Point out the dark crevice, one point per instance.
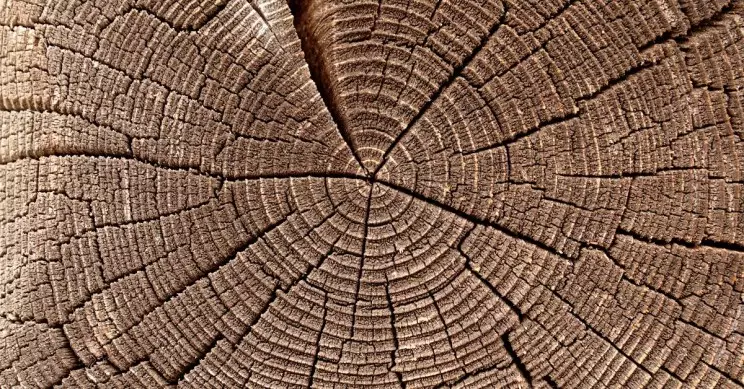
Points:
(396, 342)
(194, 363)
(442, 87)
(444, 324)
(229, 258)
(589, 97)
(271, 300)
(188, 169)
(78, 364)
(475, 219)
(361, 265)
(730, 246)
(321, 76)
(640, 284)
(711, 21)
(320, 70)
(704, 243)
(311, 267)
(570, 116)
(298, 175)
(736, 380)
(621, 79)
(464, 377)
(316, 357)
(260, 12)
(469, 266)
(701, 328)
(220, 5)
(377, 17)
(495, 291)
(655, 241)
(621, 175)
(517, 137)
(517, 361)
(671, 373)
(275, 295)
(602, 336)
(627, 277)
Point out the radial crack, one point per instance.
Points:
(396, 342)
(517, 361)
(193, 364)
(442, 87)
(320, 70)
(473, 219)
(316, 357)
(361, 266)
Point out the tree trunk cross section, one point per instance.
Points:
(371, 193)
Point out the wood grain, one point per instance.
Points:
(371, 193)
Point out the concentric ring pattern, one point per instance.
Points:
(371, 193)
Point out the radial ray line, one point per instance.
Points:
(442, 87)
(234, 254)
(472, 218)
(361, 262)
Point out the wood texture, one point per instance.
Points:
(371, 193)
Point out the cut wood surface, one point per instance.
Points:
(371, 193)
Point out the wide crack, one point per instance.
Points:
(305, 17)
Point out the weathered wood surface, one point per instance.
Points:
(332, 193)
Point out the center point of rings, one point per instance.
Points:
(373, 171)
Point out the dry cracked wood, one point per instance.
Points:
(371, 193)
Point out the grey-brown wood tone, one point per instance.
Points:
(371, 193)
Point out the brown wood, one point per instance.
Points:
(371, 193)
